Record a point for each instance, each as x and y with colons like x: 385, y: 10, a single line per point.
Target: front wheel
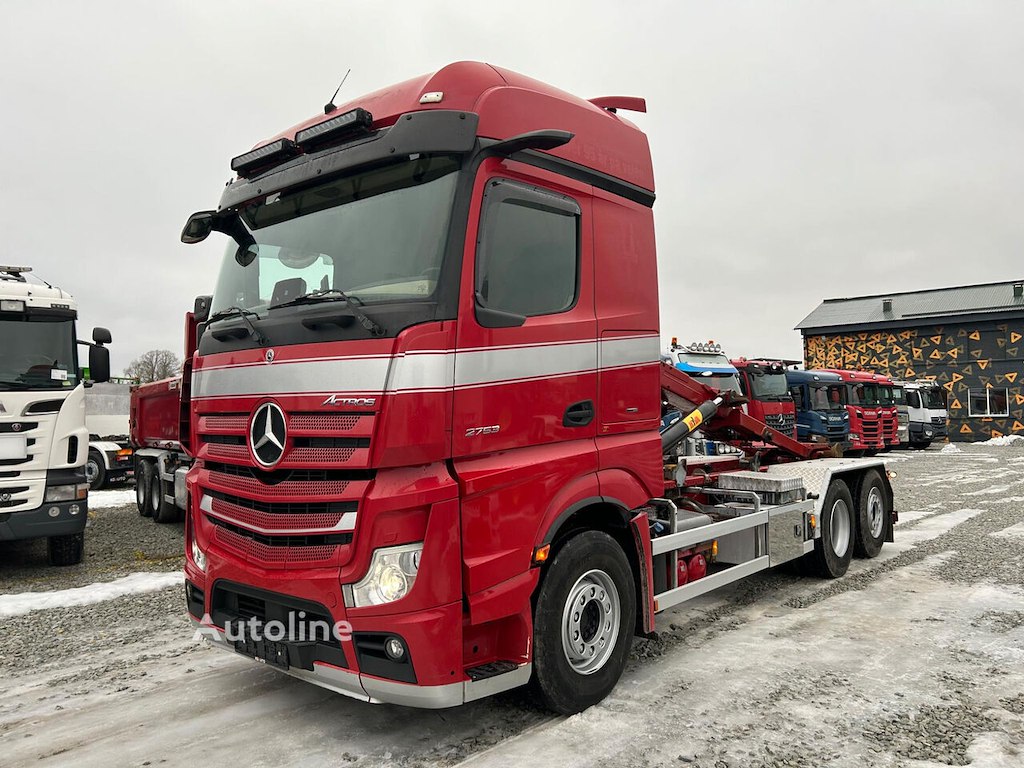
x: 583, y: 623
x: 66, y: 550
x: 834, y: 549
x: 921, y: 446
x: 95, y: 472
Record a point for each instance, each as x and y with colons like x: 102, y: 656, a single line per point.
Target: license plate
x: 13, y: 447
x: 267, y: 651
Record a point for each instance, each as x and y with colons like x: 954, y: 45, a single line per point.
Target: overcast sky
x: 802, y: 150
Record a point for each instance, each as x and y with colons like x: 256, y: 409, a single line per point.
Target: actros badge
x: 367, y: 402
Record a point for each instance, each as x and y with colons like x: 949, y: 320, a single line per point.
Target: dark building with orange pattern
x: 966, y: 338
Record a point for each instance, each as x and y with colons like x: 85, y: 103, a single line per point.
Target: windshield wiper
x: 335, y: 294
x: 245, y: 314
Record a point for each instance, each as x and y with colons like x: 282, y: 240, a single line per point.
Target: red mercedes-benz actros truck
x: 764, y: 384
x: 424, y: 406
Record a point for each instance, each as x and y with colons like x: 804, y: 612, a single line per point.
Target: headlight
x: 390, y: 577
x: 67, y: 492
x: 854, y: 436
x: 198, y: 556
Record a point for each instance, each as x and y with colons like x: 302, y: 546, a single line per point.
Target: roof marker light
x: 274, y: 152
x: 354, y: 121
x: 432, y: 97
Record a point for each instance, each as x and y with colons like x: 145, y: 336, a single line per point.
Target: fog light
x: 74, y: 509
x: 394, y: 648
x: 53, y: 511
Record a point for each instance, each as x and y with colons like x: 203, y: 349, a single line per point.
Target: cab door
x: 526, y: 361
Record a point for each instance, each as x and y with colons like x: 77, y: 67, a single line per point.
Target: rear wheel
x: 871, y: 512
x: 163, y: 510
x: 834, y: 549
x: 583, y: 623
x: 95, y: 472
x: 143, y: 483
x: 66, y: 550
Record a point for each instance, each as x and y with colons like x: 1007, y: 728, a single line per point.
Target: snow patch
x: 950, y: 448
x: 1004, y: 440
x: 121, y: 497
x: 135, y: 583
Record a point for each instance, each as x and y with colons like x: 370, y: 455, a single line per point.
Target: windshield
x: 37, y: 353
x: 899, y: 396
x: 885, y: 395
x: 862, y: 394
x: 768, y: 386
x: 723, y: 382
x: 826, y: 397
x: 934, y: 398
x: 378, y: 236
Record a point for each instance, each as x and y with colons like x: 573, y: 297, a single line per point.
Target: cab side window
x: 528, y: 252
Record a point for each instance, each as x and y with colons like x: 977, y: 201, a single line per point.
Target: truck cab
x: 922, y: 412
x: 44, y: 440
x: 705, y: 361
x: 872, y: 423
x: 819, y: 397
x: 763, y: 382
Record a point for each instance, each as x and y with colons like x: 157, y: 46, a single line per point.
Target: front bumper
x: 42, y: 522
x: 430, y: 635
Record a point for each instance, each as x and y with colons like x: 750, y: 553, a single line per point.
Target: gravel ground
x: 913, y: 659
x: 118, y: 541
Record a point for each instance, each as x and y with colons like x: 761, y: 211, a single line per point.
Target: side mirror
x: 496, y: 318
x: 198, y: 227
x: 100, y: 336
x: 99, y: 363
x: 202, y: 308
x: 246, y: 254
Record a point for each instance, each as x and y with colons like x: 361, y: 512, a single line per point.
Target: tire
x: 66, y: 550
x: 922, y: 446
x: 143, y: 482
x: 871, y: 513
x: 834, y: 549
x: 95, y: 472
x: 163, y: 511
x: 590, y: 572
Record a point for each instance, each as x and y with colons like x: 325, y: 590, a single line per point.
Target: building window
x: 992, y: 401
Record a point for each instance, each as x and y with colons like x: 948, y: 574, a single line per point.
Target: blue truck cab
x: 820, y: 399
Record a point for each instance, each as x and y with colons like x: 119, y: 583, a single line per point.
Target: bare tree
x: 153, y: 365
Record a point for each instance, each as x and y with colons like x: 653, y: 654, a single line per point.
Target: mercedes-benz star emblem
x: 267, y: 434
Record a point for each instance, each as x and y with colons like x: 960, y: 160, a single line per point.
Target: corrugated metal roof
x: 915, y: 306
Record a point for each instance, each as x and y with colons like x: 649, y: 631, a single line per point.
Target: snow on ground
x: 1004, y: 440
x: 950, y: 448
x: 116, y: 497
x: 915, y: 658
x: 23, y: 602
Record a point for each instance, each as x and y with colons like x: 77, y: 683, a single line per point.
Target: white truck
x: 43, y: 437
x: 923, y: 417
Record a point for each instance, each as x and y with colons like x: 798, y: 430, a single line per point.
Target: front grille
x: 938, y: 421
x: 781, y: 422
x: 22, y: 426
x: 279, y: 516
x: 224, y: 422
x: 324, y: 422
x: 278, y: 550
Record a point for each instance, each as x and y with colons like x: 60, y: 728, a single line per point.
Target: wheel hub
x: 876, y: 512
x: 590, y: 622
x: 839, y: 527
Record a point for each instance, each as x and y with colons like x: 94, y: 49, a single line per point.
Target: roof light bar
x: 274, y: 152
x: 354, y: 121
